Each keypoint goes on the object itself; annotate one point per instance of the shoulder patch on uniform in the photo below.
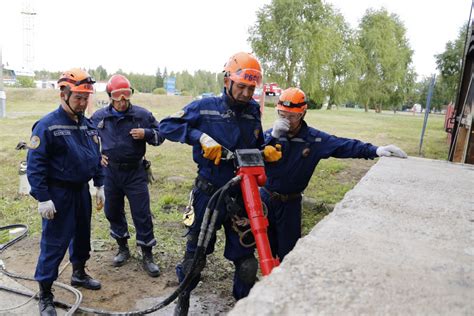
(178, 114)
(34, 142)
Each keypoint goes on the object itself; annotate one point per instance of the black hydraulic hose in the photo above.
(77, 293)
(73, 308)
(205, 235)
(11, 242)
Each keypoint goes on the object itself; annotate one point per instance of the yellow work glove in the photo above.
(272, 154)
(212, 149)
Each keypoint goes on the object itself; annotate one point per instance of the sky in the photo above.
(141, 35)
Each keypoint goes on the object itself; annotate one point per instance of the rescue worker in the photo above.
(124, 131)
(232, 121)
(63, 156)
(302, 148)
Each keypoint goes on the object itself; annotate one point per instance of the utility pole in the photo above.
(3, 96)
(427, 111)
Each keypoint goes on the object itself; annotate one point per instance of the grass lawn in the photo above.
(174, 169)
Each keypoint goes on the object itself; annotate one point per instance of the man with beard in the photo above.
(232, 121)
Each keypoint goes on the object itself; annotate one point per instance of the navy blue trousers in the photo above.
(134, 185)
(284, 220)
(233, 251)
(70, 227)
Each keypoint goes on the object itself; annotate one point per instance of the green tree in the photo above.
(99, 74)
(159, 79)
(278, 38)
(449, 63)
(387, 72)
(142, 83)
(441, 96)
(331, 64)
(47, 75)
(307, 43)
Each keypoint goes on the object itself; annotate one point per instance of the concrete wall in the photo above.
(401, 242)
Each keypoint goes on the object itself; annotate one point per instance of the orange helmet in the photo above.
(244, 68)
(292, 100)
(119, 87)
(77, 80)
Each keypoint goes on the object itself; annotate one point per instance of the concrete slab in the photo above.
(400, 243)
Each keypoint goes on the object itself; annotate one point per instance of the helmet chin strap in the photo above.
(77, 114)
(234, 100)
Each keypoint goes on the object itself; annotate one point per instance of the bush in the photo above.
(160, 91)
(26, 82)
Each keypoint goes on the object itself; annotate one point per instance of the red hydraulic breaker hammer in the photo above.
(250, 167)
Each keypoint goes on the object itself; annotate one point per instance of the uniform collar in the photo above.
(236, 108)
(65, 115)
(303, 132)
(130, 111)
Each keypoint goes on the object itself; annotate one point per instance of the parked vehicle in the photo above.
(271, 89)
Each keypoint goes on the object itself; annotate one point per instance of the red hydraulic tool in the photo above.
(250, 168)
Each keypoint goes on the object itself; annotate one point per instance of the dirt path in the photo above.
(129, 287)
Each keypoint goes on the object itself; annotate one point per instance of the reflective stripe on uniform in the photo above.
(210, 112)
(55, 127)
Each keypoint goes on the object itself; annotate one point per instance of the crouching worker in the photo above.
(63, 156)
(302, 149)
(232, 121)
(124, 130)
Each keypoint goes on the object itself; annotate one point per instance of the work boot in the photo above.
(148, 265)
(123, 254)
(182, 306)
(81, 279)
(45, 303)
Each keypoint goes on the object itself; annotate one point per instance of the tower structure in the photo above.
(28, 17)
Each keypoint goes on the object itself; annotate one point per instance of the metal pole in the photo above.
(3, 96)
(427, 111)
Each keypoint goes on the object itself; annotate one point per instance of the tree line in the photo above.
(309, 44)
(196, 83)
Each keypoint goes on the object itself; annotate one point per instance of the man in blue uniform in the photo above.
(63, 156)
(302, 149)
(231, 121)
(124, 130)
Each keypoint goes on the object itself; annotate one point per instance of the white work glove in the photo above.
(99, 198)
(390, 151)
(46, 209)
(280, 127)
(212, 149)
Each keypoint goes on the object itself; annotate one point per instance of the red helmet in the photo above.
(292, 100)
(244, 68)
(119, 87)
(77, 80)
